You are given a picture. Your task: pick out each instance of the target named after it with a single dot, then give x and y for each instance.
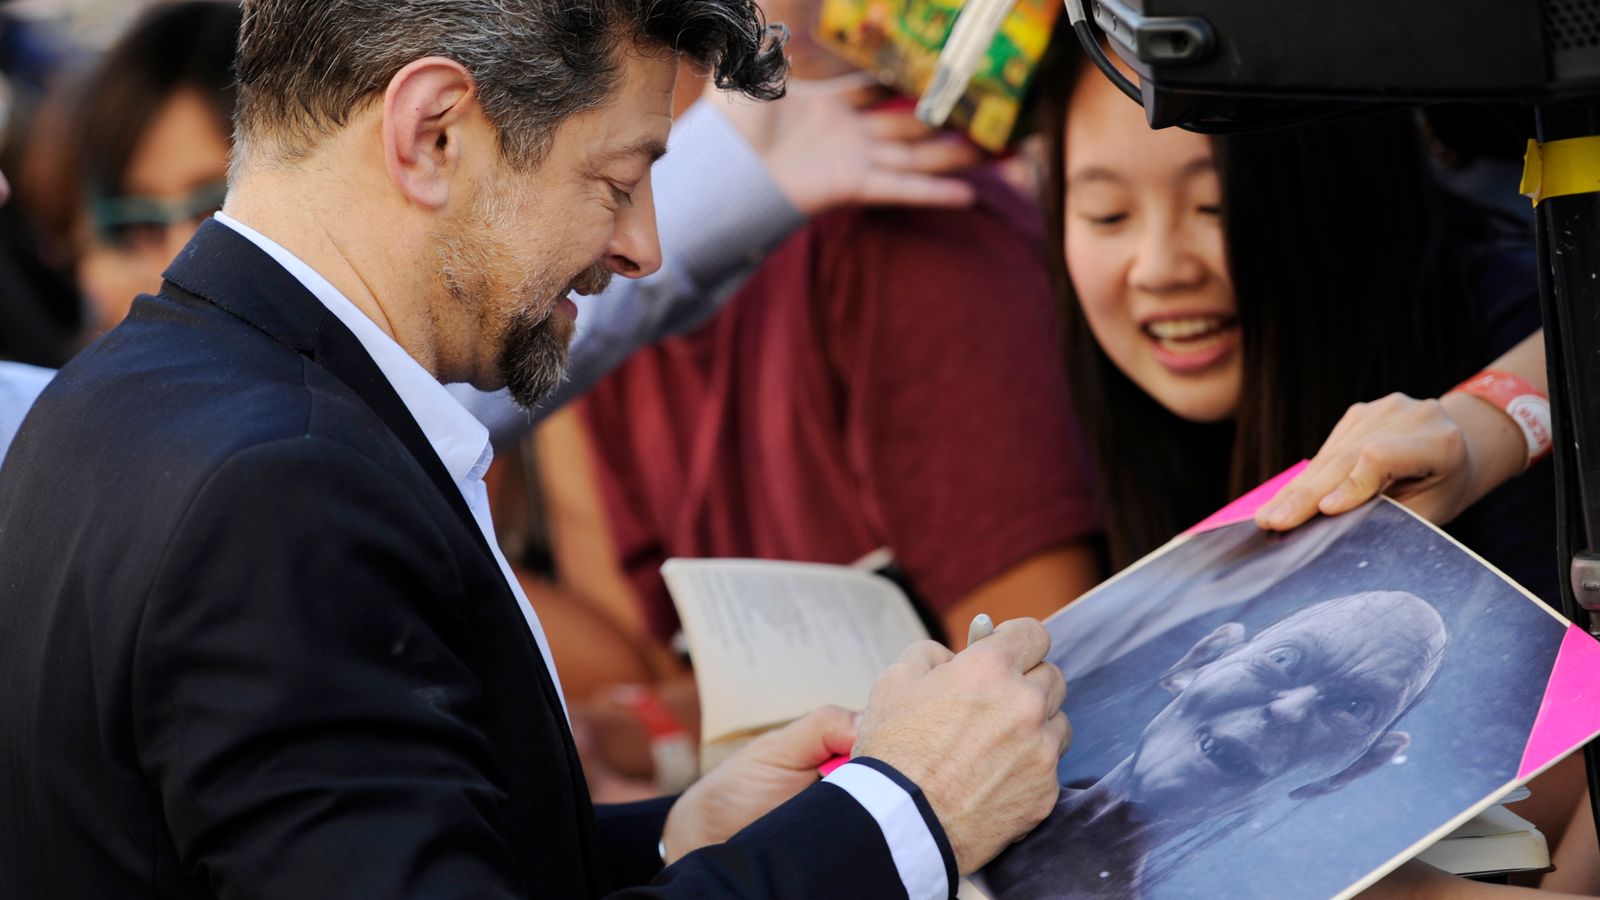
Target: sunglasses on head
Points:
(137, 223)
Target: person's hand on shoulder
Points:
(980, 732)
(825, 147)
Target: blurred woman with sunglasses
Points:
(137, 157)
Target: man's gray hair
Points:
(306, 66)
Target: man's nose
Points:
(635, 249)
(1294, 704)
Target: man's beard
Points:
(532, 336)
(533, 346)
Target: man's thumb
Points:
(816, 737)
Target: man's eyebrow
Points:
(652, 149)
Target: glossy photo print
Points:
(1261, 715)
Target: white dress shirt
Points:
(462, 443)
(20, 385)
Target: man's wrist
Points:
(916, 838)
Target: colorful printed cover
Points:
(1284, 716)
(899, 42)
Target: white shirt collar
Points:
(461, 441)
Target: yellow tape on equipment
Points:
(1560, 168)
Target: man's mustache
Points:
(593, 280)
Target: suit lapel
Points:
(223, 267)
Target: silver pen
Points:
(982, 626)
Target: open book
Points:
(1255, 715)
(772, 641)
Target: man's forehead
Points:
(635, 123)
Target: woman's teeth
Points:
(1187, 329)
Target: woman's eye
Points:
(1210, 210)
(1106, 219)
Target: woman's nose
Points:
(1166, 262)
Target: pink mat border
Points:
(827, 768)
(1244, 509)
(1569, 715)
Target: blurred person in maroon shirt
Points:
(889, 379)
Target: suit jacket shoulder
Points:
(244, 601)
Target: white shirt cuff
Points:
(910, 837)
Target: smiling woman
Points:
(1227, 299)
(1144, 244)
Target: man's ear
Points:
(423, 110)
(1208, 650)
(1383, 750)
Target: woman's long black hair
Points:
(1353, 280)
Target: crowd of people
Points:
(279, 621)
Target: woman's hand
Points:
(1438, 457)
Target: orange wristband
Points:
(1525, 404)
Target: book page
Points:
(773, 641)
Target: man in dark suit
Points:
(256, 639)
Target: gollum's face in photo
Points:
(1303, 708)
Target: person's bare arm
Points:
(1438, 457)
(581, 543)
(1034, 587)
(1573, 854)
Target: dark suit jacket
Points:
(253, 645)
